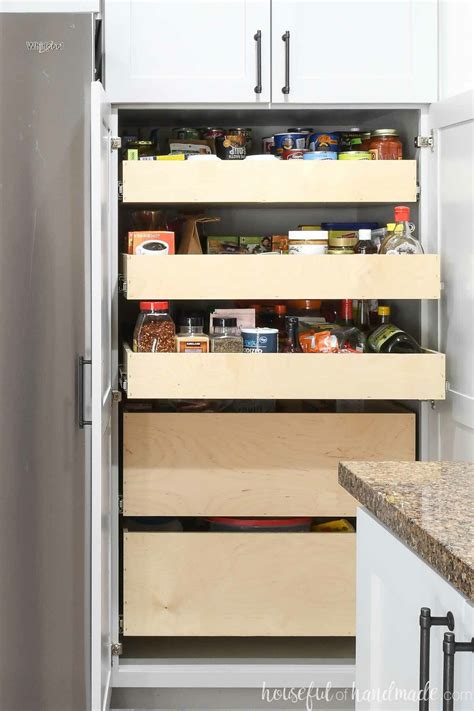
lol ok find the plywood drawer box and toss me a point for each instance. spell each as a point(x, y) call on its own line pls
point(296, 182)
point(373, 276)
point(252, 464)
point(273, 376)
point(239, 584)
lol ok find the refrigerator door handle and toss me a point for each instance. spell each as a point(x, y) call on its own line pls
point(81, 362)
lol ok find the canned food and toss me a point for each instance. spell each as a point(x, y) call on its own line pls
point(140, 150)
point(287, 141)
point(260, 340)
point(268, 144)
point(211, 132)
point(320, 155)
point(345, 138)
point(294, 153)
point(187, 134)
point(231, 147)
point(324, 141)
point(355, 155)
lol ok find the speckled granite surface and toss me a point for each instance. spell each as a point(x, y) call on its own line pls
point(428, 505)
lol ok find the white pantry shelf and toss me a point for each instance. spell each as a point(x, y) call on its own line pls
point(346, 376)
point(240, 276)
point(254, 182)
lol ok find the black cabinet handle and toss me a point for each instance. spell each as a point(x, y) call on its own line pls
point(450, 647)
point(81, 362)
point(426, 623)
point(258, 39)
point(286, 40)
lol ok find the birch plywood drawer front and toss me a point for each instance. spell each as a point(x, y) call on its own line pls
point(320, 276)
point(227, 182)
point(252, 464)
point(239, 584)
point(379, 376)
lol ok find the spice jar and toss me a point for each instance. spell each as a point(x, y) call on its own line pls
point(226, 336)
point(154, 331)
point(191, 337)
point(386, 145)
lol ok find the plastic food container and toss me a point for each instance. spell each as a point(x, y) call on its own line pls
point(320, 155)
point(260, 340)
point(286, 141)
point(155, 330)
point(355, 155)
point(260, 525)
point(307, 242)
point(324, 141)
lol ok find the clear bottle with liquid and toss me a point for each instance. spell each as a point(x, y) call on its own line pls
point(402, 240)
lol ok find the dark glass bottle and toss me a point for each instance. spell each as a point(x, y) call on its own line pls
point(363, 317)
point(279, 321)
point(388, 338)
point(292, 342)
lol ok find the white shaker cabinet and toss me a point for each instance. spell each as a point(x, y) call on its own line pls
point(187, 51)
point(343, 51)
point(393, 584)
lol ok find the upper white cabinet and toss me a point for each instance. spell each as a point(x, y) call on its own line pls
point(187, 51)
point(354, 51)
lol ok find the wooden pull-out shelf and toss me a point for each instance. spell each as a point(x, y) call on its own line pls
point(252, 464)
point(284, 182)
point(239, 584)
point(224, 276)
point(273, 376)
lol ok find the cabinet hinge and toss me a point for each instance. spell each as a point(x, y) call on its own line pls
point(121, 624)
point(123, 379)
point(116, 396)
point(120, 504)
point(116, 649)
point(425, 141)
point(122, 284)
point(120, 190)
point(115, 143)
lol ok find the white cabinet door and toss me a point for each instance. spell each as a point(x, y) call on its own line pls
point(102, 379)
point(187, 51)
point(348, 51)
point(393, 584)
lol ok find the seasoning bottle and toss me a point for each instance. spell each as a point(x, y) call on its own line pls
point(365, 245)
point(279, 321)
point(401, 241)
point(363, 317)
point(292, 343)
point(155, 331)
point(191, 337)
point(226, 337)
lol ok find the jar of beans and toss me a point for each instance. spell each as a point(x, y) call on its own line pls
point(155, 331)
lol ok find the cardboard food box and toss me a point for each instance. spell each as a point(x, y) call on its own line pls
point(255, 244)
point(151, 243)
point(223, 245)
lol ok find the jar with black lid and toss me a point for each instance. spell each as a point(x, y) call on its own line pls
point(226, 336)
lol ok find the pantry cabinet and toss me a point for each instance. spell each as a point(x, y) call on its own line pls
point(190, 51)
point(335, 51)
point(393, 584)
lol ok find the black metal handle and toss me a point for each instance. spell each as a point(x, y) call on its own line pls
point(258, 39)
point(426, 623)
point(286, 40)
point(450, 647)
point(81, 362)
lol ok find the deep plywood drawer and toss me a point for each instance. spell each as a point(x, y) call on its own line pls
point(252, 464)
point(239, 584)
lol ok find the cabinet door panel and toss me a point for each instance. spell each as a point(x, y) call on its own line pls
point(343, 51)
point(183, 51)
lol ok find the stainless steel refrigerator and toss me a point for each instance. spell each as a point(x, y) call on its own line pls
point(46, 69)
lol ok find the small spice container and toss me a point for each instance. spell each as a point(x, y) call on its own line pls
point(385, 144)
point(307, 242)
point(226, 336)
point(155, 330)
point(191, 337)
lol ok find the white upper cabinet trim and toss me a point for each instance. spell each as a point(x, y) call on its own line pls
point(50, 6)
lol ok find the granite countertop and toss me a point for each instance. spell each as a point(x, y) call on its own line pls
point(428, 505)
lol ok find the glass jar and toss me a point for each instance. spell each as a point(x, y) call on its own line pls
point(191, 337)
point(307, 242)
point(140, 150)
point(226, 336)
point(155, 331)
point(341, 245)
point(385, 144)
